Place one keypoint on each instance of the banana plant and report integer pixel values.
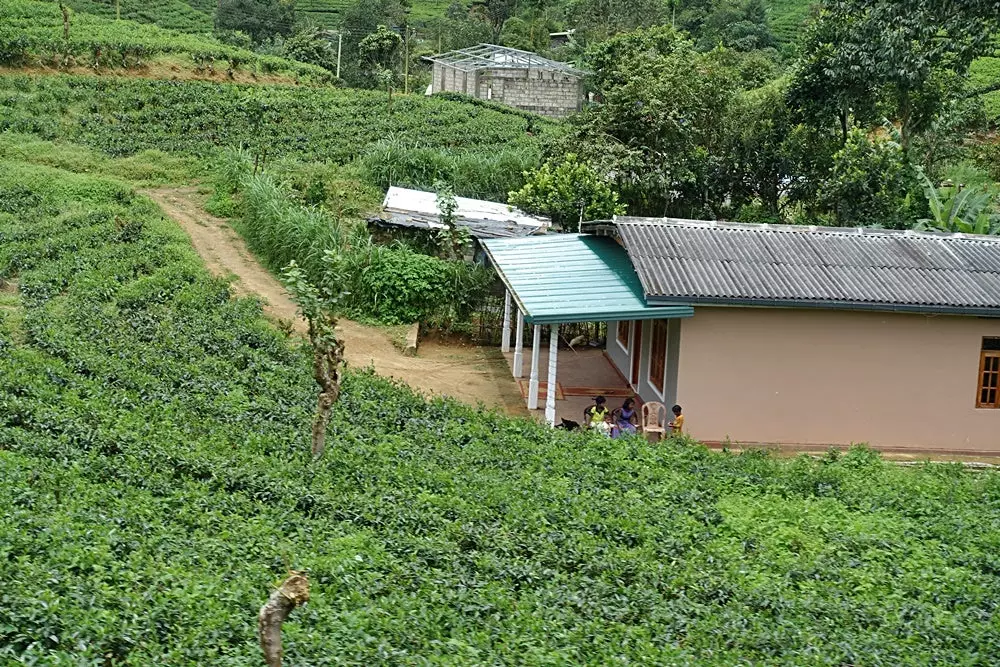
(965, 210)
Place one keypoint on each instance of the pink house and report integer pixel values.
(783, 335)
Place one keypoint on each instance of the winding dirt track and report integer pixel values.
(469, 373)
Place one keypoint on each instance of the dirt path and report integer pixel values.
(469, 373)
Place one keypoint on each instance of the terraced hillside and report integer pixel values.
(32, 34)
(172, 14)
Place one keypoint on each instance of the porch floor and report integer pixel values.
(580, 375)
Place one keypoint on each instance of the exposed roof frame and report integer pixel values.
(492, 56)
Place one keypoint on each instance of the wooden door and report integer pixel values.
(636, 350)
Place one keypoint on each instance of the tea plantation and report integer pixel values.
(481, 150)
(155, 480)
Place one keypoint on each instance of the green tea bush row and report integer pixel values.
(32, 32)
(482, 151)
(156, 483)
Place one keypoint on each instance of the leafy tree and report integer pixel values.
(657, 131)
(453, 238)
(261, 19)
(867, 58)
(313, 46)
(872, 183)
(457, 29)
(495, 13)
(361, 19)
(568, 191)
(737, 24)
(380, 51)
(320, 306)
(599, 19)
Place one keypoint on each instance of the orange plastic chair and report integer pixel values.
(654, 418)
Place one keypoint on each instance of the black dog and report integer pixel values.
(569, 425)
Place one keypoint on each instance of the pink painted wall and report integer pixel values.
(816, 377)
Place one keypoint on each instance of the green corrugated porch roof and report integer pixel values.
(562, 278)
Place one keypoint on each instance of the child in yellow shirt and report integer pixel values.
(677, 425)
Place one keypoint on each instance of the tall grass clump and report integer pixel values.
(393, 284)
(473, 173)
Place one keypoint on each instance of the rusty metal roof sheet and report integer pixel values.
(687, 261)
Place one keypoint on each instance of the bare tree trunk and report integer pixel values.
(292, 592)
(326, 371)
(65, 14)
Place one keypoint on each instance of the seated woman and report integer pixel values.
(625, 419)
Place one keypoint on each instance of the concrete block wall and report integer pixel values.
(546, 92)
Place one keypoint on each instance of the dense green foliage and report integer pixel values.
(260, 19)
(438, 137)
(156, 480)
(394, 285)
(568, 191)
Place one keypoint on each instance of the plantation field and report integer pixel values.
(985, 72)
(482, 150)
(31, 34)
(787, 17)
(171, 14)
(155, 477)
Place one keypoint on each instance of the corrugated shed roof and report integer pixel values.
(560, 278)
(404, 207)
(782, 265)
(492, 56)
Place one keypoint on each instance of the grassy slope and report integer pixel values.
(156, 483)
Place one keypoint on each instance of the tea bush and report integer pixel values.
(32, 33)
(156, 482)
(483, 151)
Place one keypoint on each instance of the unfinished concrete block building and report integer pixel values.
(520, 79)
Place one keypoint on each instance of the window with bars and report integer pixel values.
(988, 394)
(658, 354)
(624, 333)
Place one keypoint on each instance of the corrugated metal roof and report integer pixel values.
(404, 207)
(691, 261)
(492, 56)
(560, 278)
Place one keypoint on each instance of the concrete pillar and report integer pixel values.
(519, 346)
(550, 393)
(505, 336)
(536, 342)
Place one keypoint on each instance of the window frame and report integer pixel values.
(627, 345)
(981, 378)
(659, 385)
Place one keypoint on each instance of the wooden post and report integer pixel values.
(519, 346)
(550, 394)
(505, 336)
(536, 342)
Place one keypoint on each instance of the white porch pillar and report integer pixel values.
(519, 346)
(550, 394)
(505, 336)
(536, 342)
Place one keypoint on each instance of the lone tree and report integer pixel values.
(320, 307)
